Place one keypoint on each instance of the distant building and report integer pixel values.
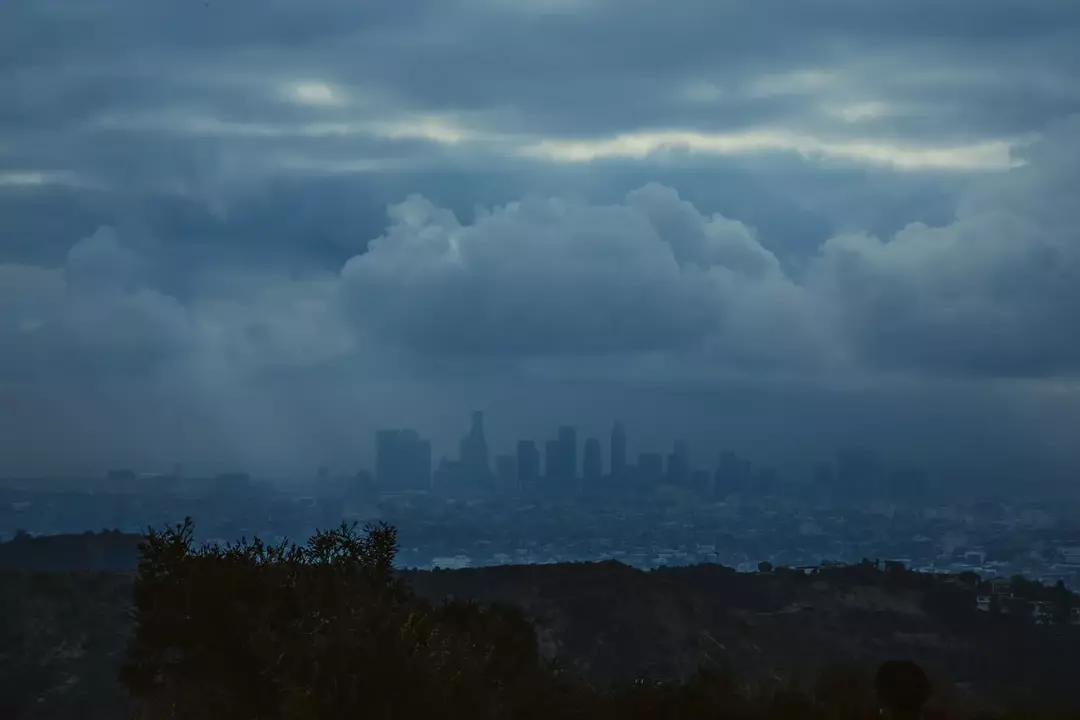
(618, 451)
(701, 483)
(402, 460)
(528, 465)
(473, 453)
(766, 481)
(551, 464)
(386, 457)
(983, 603)
(232, 485)
(678, 465)
(1070, 555)
(361, 487)
(447, 478)
(1042, 612)
(568, 464)
(592, 462)
(732, 475)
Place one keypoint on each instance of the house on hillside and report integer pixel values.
(1001, 586)
(984, 602)
(1042, 612)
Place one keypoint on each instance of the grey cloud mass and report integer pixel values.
(231, 230)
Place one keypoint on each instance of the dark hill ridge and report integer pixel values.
(609, 622)
(62, 634)
(109, 550)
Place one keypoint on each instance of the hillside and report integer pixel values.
(63, 634)
(609, 622)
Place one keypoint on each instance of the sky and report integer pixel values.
(241, 233)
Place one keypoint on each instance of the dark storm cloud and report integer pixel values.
(798, 195)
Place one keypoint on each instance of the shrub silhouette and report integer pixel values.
(320, 630)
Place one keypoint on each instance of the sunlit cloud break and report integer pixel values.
(991, 155)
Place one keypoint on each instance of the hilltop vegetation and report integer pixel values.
(329, 629)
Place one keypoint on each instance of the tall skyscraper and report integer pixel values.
(528, 465)
(551, 462)
(386, 458)
(474, 452)
(732, 475)
(618, 451)
(678, 466)
(402, 460)
(568, 465)
(592, 462)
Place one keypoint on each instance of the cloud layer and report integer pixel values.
(252, 217)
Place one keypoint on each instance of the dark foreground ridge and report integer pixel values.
(329, 629)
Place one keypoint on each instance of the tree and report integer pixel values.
(765, 566)
(324, 630)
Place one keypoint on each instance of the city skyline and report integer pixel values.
(568, 467)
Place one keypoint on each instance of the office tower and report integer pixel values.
(402, 460)
(551, 462)
(386, 458)
(678, 466)
(361, 487)
(592, 462)
(447, 478)
(732, 475)
(413, 461)
(618, 451)
(474, 452)
(423, 466)
(528, 465)
(568, 465)
(701, 483)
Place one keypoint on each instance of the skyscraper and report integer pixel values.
(568, 465)
(402, 460)
(678, 466)
(474, 452)
(618, 451)
(551, 463)
(528, 465)
(592, 462)
(386, 458)
(414, 461)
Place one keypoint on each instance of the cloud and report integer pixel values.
(549, 278)
(775, 194)
(647, 279)
(366, 88)
(990, 293)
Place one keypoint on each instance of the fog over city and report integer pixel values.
(243, 234)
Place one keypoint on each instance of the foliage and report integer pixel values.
(330, 630)
(326, 629)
